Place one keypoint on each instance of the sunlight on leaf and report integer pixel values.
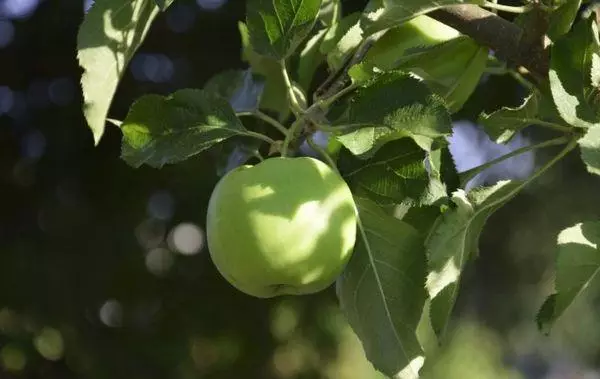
(108, 38)
(384, 14)
(277, 27)
(571, 73)
(590, 150)
(454, 240)
(577, 271)
(160, 130)
(391, 106)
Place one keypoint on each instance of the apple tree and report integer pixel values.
(380, 208)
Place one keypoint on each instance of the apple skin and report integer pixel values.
(286, 226)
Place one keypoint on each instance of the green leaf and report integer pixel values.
(452, 68)
(310, 59)
(277, 27)
(454, 240)
(330, 12)
(420, 31)
(341, 40)
(384, 14)
(241, 88)
(562, 19)
(391, 106)
(274, 96)
(395, 174)
(109, 36)
(503, 124)
(590, 150)
(164, 130)
(570, 73)
(382, 291)
(163, 4)
(577, 271)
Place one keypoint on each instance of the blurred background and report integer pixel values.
(104, 271)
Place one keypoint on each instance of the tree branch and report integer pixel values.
(503, 37)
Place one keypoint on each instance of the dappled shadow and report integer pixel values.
(323, 224)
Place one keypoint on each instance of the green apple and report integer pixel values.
(284, 226)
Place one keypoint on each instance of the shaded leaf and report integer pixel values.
(381, 291)
(161, 130)
(109, 36)
(274, 95)
(454, 240)
(577, 271)
(570, 73)
(277, 27)
(503, 124)
(241, 88)
(384, 14)
(562, 19)
(395, 174)
(590, 150)
(391, 106)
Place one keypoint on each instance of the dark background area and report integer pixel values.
(103, 270)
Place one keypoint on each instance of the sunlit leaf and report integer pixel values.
(277, 27)
(505, 123)
(577, 270)
(162, 130)
(384, 14)
(310, 59)
(452, 68)
(391, 106)
(164, 4)
(330, 12)
(382, 291)
(341, 40)
(454, 240)
(109, 36)
(590, 150)
(571, 73)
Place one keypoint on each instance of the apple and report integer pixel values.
(286, 226)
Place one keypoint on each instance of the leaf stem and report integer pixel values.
(322, 152)
(294, 104)
(291, 134)
(507, 8)
(327, 102)
(266, 118)
(259, 136)
(466, 176)
(550, 125)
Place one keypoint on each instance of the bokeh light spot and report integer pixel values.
(161, 205)
(150, 233)
(61, 91)
(49, 343)
(7, 99)
(157, 68)
(210, 4)
(7, 33)
(181, 18)
(186, 238)
(111, 313)
(18, 8)
(12, 358)
(159, 261)
(33, 145)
